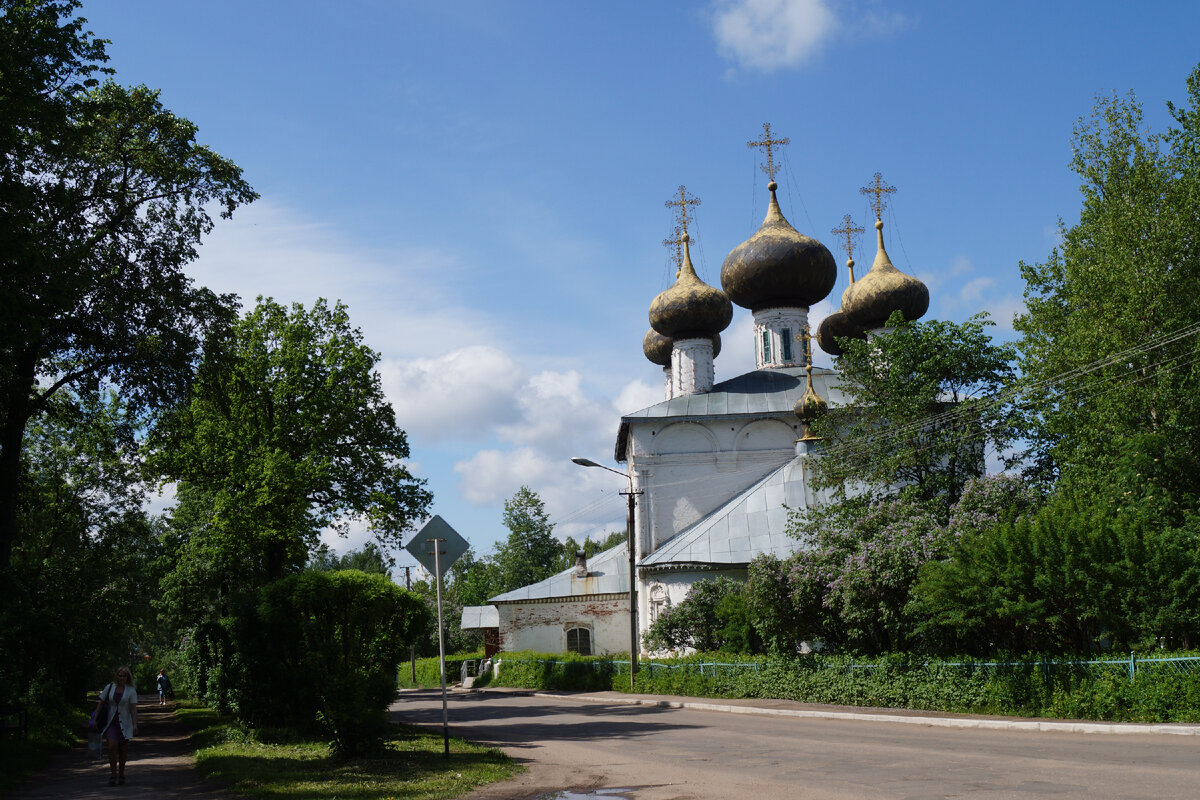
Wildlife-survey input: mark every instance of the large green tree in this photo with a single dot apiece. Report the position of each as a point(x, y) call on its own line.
point(919, 411)
point(1110, 336)
point(104, 198)
point(287, 432)
point(530, 552)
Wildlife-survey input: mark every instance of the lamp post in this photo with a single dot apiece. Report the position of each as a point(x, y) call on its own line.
point(633, 615)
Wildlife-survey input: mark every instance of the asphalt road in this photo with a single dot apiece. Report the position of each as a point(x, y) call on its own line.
point(672, 754)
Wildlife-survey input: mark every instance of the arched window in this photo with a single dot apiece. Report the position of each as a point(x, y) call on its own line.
point(766, 347)
point(785, 344)
point(579, 640)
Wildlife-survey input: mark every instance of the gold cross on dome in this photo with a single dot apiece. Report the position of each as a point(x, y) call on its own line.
point(683, 215)
point(850, 232)
point(880, 190)
point(767, 142)
point(676, 243)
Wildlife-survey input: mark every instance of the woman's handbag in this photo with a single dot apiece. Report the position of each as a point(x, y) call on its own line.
point(100, 715)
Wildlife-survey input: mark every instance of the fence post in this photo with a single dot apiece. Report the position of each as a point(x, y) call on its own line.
point(1132, 665)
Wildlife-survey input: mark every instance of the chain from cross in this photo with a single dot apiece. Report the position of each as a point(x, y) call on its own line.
point(880, 190)
point(676, 243)
point(768, 143)
point(682, 214)
point(850, 232)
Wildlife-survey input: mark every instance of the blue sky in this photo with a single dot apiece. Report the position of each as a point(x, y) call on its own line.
point(483, 183)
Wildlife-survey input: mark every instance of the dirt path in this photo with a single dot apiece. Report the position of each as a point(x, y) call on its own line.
point(160, 766)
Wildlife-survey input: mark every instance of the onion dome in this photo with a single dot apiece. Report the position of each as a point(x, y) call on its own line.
point(690, 309)
point(811, 405)
point(837, 325)
point(658, 347)
point(872, 298)
point(778, 266)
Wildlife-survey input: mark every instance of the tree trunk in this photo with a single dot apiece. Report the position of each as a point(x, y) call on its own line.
point(12, 440)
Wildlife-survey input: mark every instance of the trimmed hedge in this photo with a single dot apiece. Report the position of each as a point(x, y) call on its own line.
point(1030, 686)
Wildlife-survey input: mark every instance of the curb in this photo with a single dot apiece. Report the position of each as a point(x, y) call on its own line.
point(1047, 726)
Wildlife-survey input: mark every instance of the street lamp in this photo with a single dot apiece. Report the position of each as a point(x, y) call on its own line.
point(633, 615)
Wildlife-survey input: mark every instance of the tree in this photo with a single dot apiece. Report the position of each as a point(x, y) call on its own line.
point(104, 197)
point(369, 558)
point(82, 575)
point(287, 432)
point(530, 552)
point(918, 412)
point(1109, 336)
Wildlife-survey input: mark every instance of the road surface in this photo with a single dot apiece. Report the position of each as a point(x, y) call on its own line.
point(673, 754)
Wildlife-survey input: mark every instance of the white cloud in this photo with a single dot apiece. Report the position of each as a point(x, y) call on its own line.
point(636, 395)
point(771, 34)
point(461, 394)
point(402, 298)
point(961, 265)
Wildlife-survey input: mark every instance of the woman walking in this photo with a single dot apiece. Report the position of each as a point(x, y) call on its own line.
point(121, 725)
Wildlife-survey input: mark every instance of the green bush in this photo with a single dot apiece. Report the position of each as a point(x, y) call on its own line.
point(560, 671)
point(428, 675)
point(325, 648)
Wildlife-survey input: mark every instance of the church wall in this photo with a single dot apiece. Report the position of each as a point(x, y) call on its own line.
point(542, 627)
point(688, 469)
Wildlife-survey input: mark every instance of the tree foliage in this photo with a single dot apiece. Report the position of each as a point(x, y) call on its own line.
point(918, 412)
point(530, 552)
point(104, 197)
point(714, 617)
point(1097, 337)
point(287, 432)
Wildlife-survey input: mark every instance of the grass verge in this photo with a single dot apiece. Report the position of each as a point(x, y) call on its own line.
point(275, 764)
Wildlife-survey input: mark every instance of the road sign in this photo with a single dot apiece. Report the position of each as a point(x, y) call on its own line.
point(452, 547)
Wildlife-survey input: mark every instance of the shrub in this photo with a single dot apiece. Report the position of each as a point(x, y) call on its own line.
point(326, 650)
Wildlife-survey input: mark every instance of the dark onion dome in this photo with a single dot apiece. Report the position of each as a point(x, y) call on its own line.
point(874, 297)
point(837, 325)
point(778, 266)
point(690, 309)
point(658, 347)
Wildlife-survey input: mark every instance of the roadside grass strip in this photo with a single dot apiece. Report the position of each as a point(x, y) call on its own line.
point(278, 764)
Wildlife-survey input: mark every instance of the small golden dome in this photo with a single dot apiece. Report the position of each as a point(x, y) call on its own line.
point(874, 297)
point(690, 308)
point(778, 266)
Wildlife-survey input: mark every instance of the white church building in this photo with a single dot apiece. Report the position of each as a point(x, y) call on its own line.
point(716, 465)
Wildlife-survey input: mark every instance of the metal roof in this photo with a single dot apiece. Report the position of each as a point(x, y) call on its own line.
point(751, 524)
point(608, 573)
point(763, 391)
point(474, 617)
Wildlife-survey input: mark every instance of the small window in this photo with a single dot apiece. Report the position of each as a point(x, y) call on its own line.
point(579, 640)
point(766, 337)
point(785, 343)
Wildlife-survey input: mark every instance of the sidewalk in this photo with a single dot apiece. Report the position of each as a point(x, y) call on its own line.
point(159, 766)
point(791, 708)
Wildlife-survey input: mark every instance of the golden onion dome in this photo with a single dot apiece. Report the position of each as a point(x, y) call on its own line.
point(690, 309)
point(778, 266)
point(810, 406)
point(658, 347)
point(874, 297)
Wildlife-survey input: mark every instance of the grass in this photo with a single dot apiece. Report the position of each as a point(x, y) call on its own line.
point(275, 764)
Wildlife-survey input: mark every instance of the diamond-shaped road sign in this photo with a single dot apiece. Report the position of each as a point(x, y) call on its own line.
point(451, 548)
